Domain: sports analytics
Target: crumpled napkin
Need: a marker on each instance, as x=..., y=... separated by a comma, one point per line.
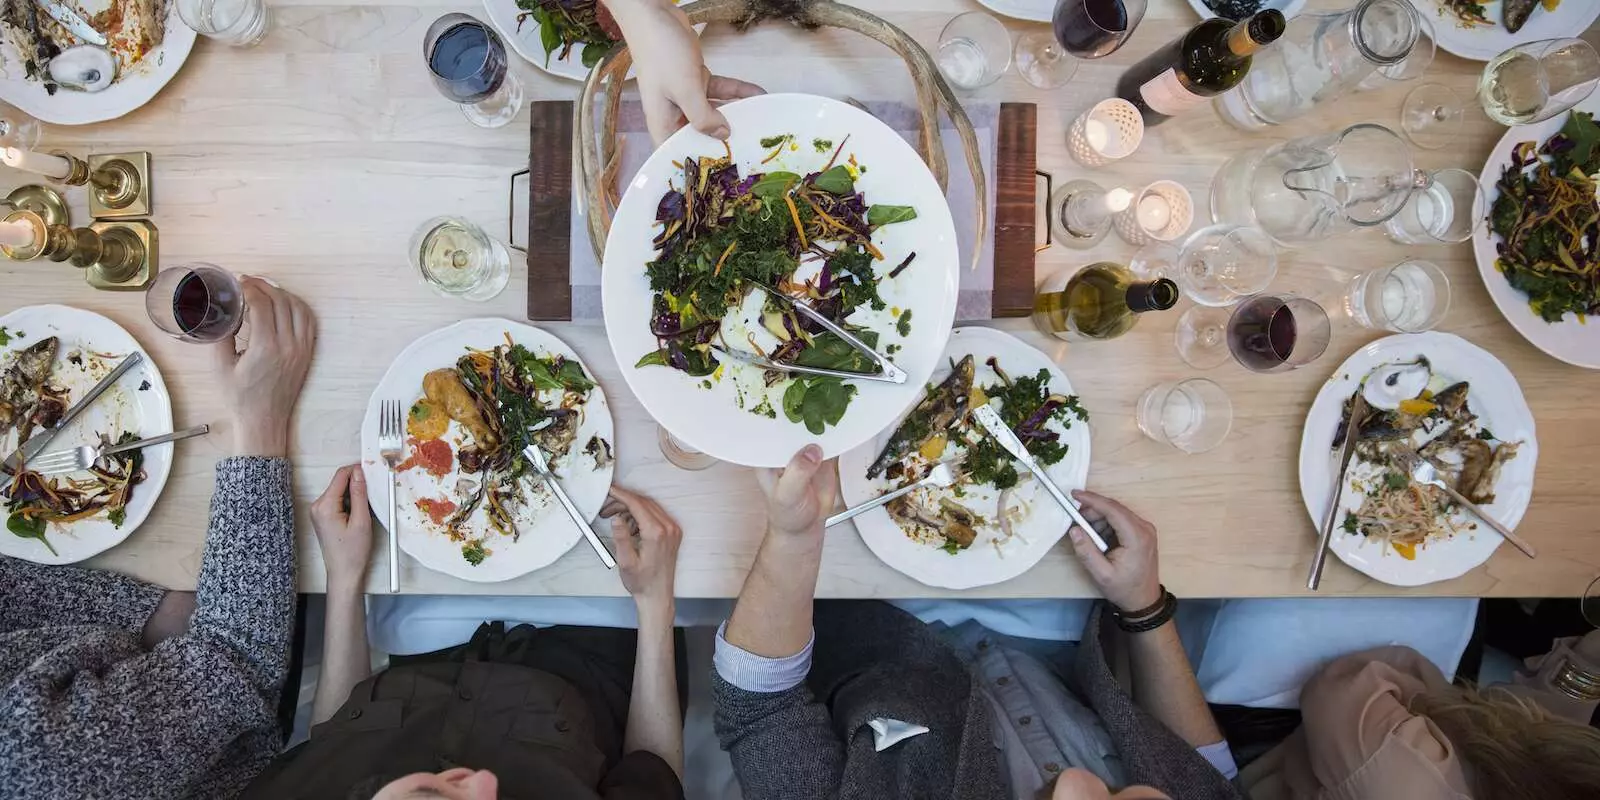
x=887, y=733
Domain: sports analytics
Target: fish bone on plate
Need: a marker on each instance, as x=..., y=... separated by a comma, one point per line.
x=468, y=504
x=975, y=533
x=65, y=351
x=1453, y=403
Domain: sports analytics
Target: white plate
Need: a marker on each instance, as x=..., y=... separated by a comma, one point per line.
x=1482, y=43
x=711, y=420
x=123, y=407
x=1493, y=394
x=545, y=530
x=130, y=91
x=1030, y=10
x=983, y=563
x=1574, y=342
x=525, y=40
x=1290, y=8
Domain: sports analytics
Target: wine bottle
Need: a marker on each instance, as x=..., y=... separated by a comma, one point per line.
x=1100, y=301
x=1208, y=60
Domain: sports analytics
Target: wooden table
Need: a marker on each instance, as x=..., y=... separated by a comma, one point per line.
x=311, y=158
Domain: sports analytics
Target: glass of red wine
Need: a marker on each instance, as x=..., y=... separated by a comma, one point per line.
x=468, y=62
x=1278, y=332
x=198, y=303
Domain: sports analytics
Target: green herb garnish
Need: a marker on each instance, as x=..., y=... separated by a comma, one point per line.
x=29, y=528
x=822, y=145
x=473, y=552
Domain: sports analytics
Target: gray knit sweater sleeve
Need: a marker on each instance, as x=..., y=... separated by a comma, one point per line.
x=782, y=744
x=85, y=711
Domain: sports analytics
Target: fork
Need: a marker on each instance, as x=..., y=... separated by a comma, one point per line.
x=541, y=466
x=391, y=446
x=941, y=475
x=1423, y=472
x=78, y=459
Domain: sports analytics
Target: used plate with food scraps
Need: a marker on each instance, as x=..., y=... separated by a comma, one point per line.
x=1573, y=339
x=1483, y=40
x=148, y=39
x=1034, y=520
x=87, y=347
x=433, y=485
x=735, y=412
x=1493, y=396
x=518, y=22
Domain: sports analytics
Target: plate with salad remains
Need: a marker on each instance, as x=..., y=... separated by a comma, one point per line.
x=565, y=38
x=1447, y=400
x=715, y=244
x=51, y=73
x=1479, y=31
x=50, y=356
x=1540, y=253
x=474, y=395
x=995, y=522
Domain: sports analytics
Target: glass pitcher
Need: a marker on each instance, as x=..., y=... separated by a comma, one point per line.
x=1312, y=188
x=1319, y=57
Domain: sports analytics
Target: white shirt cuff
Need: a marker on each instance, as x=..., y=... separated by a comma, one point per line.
x=1220, y=757
x=754, y=673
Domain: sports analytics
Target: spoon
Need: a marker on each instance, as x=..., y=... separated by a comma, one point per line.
x=1423, y=472
x=941, y=475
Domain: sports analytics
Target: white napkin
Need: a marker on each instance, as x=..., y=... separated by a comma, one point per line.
x=887, y=733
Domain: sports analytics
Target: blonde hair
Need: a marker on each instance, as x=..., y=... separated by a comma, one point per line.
x=1512, y=748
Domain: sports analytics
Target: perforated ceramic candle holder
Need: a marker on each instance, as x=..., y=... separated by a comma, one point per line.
x=1162, y=211
x=1112, y=129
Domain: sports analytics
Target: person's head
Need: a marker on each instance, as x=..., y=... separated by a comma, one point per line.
x=1081, y=784
x=1513, y=749
x=453, y=784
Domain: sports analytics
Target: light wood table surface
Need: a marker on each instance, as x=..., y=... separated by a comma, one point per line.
x=311, y=158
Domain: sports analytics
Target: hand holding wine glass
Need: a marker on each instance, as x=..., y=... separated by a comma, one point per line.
x=261, y=384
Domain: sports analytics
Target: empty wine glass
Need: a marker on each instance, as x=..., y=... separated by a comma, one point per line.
x=1278, y=333
x=1409, y=297
x=1535, y=81
x=1221, y=263
x=1442, y=211
x=196, y=303
x=1193, y=415
x=1156, y=259
x=1202, y=336
x=1431, y=116
x=468, y=62
x=1042, y=61
x=974, y=50
x=18, y=129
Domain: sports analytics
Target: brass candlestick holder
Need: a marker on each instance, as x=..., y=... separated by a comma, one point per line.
x=120, y=183
x=119, y=255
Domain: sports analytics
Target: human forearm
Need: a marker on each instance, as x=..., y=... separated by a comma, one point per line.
x=1165, y=687
x=37, y=596
x=772, y=617
x=346, y=660
x=655, y=724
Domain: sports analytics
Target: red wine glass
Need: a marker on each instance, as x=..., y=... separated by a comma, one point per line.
x=199, y=303
x=1278, y=332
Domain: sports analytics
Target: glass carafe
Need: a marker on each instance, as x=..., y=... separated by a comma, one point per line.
x=1319, y=57
x=1311, y=188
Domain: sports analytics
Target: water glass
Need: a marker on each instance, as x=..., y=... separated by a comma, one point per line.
x=1535, y=81
x=196, y=303
x=468, y=62
x=1409, y=297
x=974, y=50
x=1278, y=333
x=240, y=23
x=18, y=129
x=680, y=454
x=1222, y=263
x=1444, y=211
x=458, y=259
x=1193, y=415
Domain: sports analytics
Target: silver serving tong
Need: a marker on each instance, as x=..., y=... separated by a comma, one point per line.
x=887, y=371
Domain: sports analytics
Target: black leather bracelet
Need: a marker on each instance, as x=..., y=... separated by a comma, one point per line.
x=1161, y=600
x=1163, y=615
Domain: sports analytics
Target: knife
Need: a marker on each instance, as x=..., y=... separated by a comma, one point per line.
x=1352, y=432
x=74, y=23
x=37, y=443
x=991, y=422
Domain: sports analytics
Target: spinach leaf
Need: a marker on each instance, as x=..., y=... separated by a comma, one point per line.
x=793, y=398
x=654, y=358
x=836, y=180
x=29, y=528
x=880, y=215
x=774, y=184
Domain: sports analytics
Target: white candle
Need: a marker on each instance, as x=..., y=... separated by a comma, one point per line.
x=1118, y=199
x=16, y=233
x=1154, y=212
x=42, y=163
x=1096, y=133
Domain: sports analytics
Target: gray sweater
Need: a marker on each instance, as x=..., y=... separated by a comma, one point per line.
x=87, y=712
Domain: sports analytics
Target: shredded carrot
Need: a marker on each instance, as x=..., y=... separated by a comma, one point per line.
x=507, y=334
x=794, y=213
x=85, y=514
x=774, y=154
x=836, y=152
x=732, y=246
x=876, y=253
x=727, y=148
x=678, y=164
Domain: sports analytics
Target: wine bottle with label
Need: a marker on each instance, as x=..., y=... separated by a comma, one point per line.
x=1100, y=301
x=1208, y=60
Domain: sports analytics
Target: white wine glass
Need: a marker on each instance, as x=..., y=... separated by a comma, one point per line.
x=458, y=259
x=1221, y=263
x=1535, y=81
